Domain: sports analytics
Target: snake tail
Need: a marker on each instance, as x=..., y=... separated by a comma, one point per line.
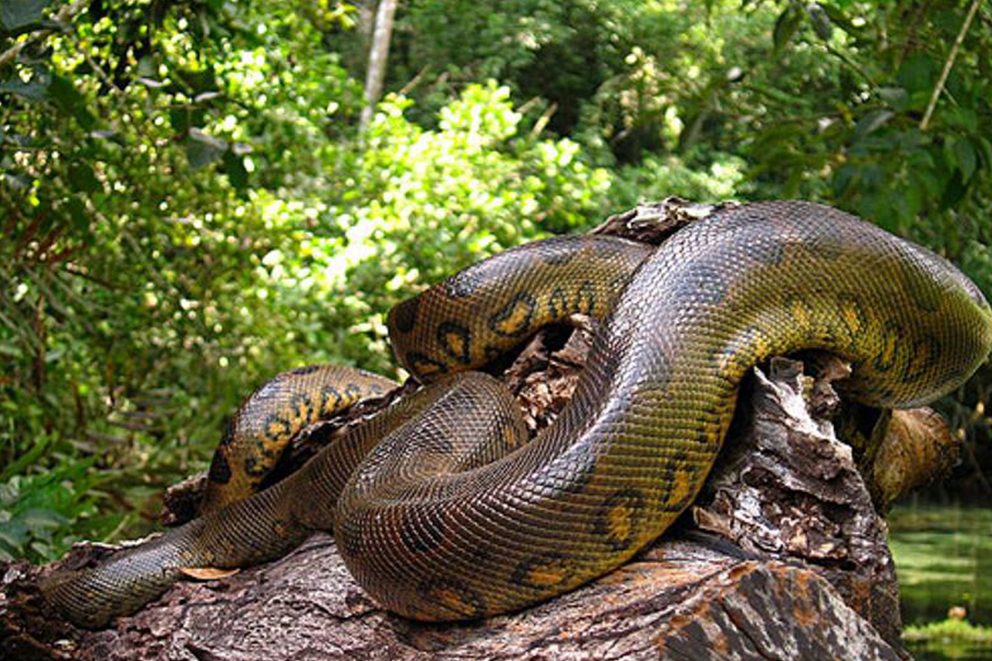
x=131, y=578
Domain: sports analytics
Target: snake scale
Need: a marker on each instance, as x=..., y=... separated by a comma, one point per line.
x=440, y=506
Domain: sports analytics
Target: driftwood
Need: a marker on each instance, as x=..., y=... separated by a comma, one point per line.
x=782, y=557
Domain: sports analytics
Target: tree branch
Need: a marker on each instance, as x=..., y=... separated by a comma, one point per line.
x=948, y=65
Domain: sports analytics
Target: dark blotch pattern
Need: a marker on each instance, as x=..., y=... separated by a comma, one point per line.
x=276, y=425
x=302, y=402
x=828, y=247
x=220, y=469
x=585, y=298
x=924, y=353
x=404, y=315
x=353, y=391
x=303, y=371
x=557, y=303
x=455, y=339
x=330, y=398
x=423, y=366
x=769, y=253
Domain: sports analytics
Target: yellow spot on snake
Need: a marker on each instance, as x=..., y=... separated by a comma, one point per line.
x=801, y=313
x=619, y=521
x=548, y=574
x=683, y=486
x=888, y=355
x=852, y=316
x=452, y=600
x=517, y=320
x=456, y=343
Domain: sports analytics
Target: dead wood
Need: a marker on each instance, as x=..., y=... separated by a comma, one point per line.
x=782, y=557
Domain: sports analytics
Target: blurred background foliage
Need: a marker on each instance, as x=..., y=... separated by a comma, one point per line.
x=188, y=206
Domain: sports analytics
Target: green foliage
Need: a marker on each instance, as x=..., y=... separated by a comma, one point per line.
x=187, y=207
x=961, y=630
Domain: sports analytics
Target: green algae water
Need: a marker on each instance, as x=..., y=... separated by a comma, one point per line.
x=943, y=559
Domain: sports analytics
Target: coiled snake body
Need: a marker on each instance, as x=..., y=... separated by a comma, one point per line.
x=440, y=508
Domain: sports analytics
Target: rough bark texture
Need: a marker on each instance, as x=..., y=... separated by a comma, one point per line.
x=783, y=556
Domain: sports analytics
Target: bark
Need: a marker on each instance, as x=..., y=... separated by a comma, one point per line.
x=378, y=55
x=782, y=557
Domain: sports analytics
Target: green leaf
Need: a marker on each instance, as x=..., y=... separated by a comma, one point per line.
x=15, y=14
x=838, y=18
x=786, y=27
x=71, y=102
x=986, y=148
x=917, y=74
x=965, y=118
x=965, y=157
x=872, y=121
x=36, y=519
x=894, y=97
x=203, y=149
x=77, y=212
x=32, y=91
x=82, y=178
x=821, y=21
x=954, y=191
x=234, y=166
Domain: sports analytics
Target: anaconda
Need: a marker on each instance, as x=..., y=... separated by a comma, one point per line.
x=443, y=511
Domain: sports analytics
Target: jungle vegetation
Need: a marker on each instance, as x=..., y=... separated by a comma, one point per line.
x=190, y=202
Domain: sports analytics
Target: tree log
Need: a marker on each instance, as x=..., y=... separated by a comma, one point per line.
x=782, y=557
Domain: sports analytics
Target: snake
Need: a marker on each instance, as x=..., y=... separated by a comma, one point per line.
x=442, y=507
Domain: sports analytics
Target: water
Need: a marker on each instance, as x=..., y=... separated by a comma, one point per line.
x=944, y=558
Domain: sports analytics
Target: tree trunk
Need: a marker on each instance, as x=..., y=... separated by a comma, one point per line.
x=378, y=56
x=783, y=556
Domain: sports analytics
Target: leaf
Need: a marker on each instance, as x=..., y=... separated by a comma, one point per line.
x=917, y=74
x=15, y=14
x=838, y=18
x=986, y=148
x=77, y=212
x=234, y=166
x=894, y=97
x=965, y=157
x=786, y=27
x=953, y=192
x=71, y=102
x=82, y=178
x=965, y=118
x=208, y=573
x=33, y=91
x=203, y=149
x=872, y=121
x=36, y=519
x=821, y=21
